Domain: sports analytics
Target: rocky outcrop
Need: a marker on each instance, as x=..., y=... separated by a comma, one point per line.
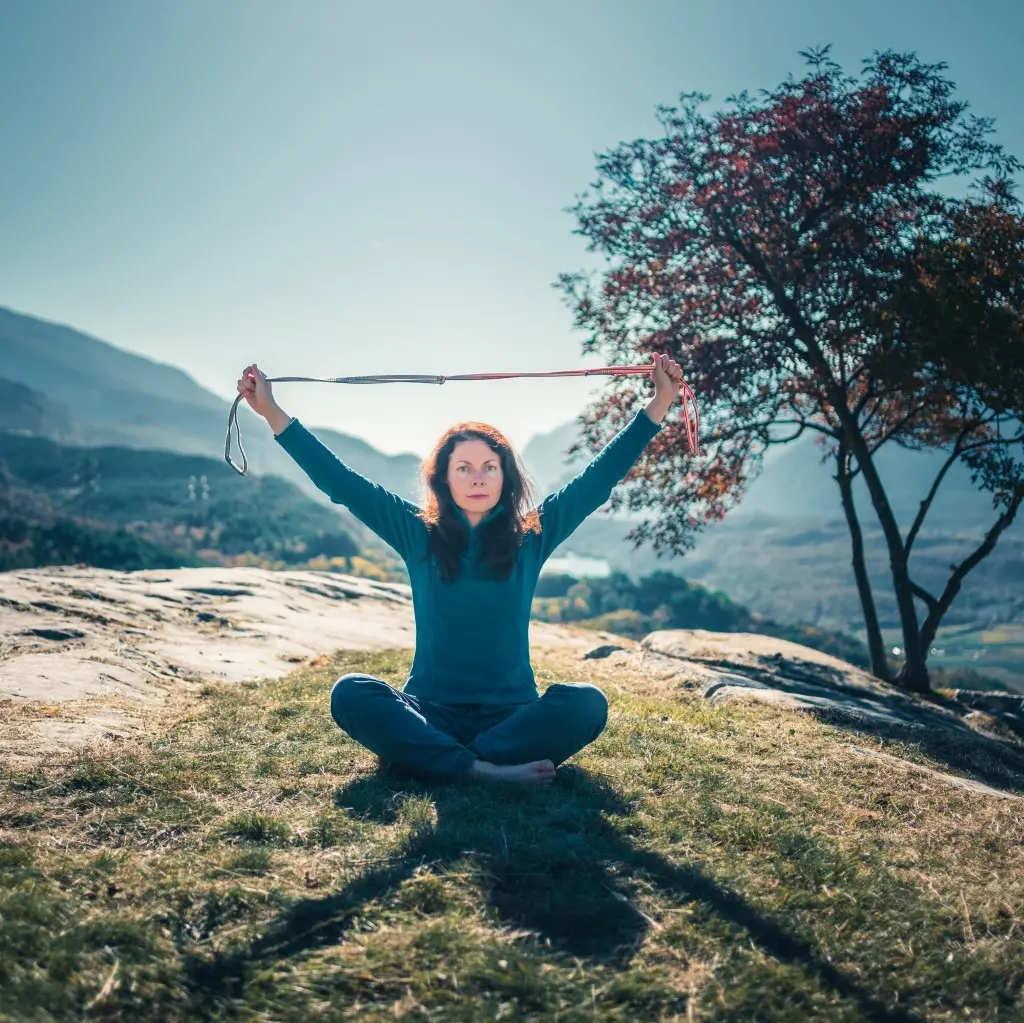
x=743, y=665
x=83, y=651
x=1006, y=707
x=86, y=652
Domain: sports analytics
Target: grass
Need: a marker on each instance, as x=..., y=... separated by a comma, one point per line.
x=737, y=863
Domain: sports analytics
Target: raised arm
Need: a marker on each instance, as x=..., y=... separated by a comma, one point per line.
x=392, y=518
x=562, y=513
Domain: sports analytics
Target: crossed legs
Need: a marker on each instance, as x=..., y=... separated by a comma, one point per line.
x=523, y=742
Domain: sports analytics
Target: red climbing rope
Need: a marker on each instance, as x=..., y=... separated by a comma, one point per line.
x=691, y=416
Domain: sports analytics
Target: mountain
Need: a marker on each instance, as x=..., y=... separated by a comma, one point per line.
x=784, y=551
x=545, y=459
x=67, y=385
x=398, y=473
x=88, y=391
x=25, y=411
x=102, y=382
x=795, y=483
x=104, y=395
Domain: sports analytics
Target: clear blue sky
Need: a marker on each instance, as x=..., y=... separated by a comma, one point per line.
x=330, y=188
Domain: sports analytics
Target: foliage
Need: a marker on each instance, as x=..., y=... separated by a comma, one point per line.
x=126, y=508
x=554, y=584
x=664, y=600
x=953, y=340
x=967, y=678
x=31, y=535
x=67, y=542
x=769, y=248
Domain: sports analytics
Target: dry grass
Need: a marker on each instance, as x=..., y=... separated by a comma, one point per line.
x=246, y=862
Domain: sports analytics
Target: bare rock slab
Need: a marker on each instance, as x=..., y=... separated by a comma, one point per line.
x=76, y=633
x=728, y=666
x=90, y=649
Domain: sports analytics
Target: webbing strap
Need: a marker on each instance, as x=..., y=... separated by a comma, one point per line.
x=690, y=414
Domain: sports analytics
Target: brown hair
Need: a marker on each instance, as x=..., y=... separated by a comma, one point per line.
x=501, y=537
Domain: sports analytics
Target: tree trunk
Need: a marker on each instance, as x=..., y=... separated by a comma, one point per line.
x=904, y=680
x=914, y=674
x=876, y=647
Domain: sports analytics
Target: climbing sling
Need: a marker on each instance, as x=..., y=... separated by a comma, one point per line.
x=690, y=414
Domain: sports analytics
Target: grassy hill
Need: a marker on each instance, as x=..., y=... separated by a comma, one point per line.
x=730, y=864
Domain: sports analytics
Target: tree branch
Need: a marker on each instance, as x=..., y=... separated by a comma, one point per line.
x=959, y=448
x=920, y=591
x=956, y=579
x=922, y=510
x=886, y=436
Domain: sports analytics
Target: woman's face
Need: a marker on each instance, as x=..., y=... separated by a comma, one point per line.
x=475, y=478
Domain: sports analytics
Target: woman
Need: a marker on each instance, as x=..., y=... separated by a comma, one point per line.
x=474, y=553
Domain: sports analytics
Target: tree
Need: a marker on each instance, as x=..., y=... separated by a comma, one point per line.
x=785, y=251
x=953, y=343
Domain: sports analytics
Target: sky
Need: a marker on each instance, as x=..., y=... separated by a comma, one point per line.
x=337, y=188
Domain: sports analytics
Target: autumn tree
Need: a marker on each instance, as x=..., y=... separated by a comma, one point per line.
x=794, y=254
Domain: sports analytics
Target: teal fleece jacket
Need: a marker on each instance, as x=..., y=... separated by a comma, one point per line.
x=472, y=636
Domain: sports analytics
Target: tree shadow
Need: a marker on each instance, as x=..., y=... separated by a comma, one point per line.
x=965, y=752
x=551, y=863
x=934, y=725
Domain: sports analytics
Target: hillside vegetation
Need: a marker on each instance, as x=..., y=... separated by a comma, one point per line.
x=791, y=570
x=664, y=600
x=61, y=504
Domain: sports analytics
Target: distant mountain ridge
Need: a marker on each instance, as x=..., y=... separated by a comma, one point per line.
x=59, y=360
x=101, y=394
x=25, y=411
x=95, y=393
x=798, y=484
x=91, y=392
x=545, y=458
x=74, y=388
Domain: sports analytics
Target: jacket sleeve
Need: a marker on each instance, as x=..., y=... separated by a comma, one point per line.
x=561, y=512
x=395, y=520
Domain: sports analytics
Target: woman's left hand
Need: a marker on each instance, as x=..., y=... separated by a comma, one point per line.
x=667, y=377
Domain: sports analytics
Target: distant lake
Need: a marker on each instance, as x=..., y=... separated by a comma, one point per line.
x=578, y=565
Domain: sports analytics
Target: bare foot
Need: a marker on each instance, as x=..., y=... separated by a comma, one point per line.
x=539, y=772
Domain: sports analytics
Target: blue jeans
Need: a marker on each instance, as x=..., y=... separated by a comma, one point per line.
x=445, y=739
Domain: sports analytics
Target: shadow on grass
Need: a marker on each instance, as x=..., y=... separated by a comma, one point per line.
x=933, y=725
x=551, y=863
x=964, y=752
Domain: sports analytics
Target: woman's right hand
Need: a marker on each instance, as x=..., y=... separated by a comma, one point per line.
x=255, y=387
